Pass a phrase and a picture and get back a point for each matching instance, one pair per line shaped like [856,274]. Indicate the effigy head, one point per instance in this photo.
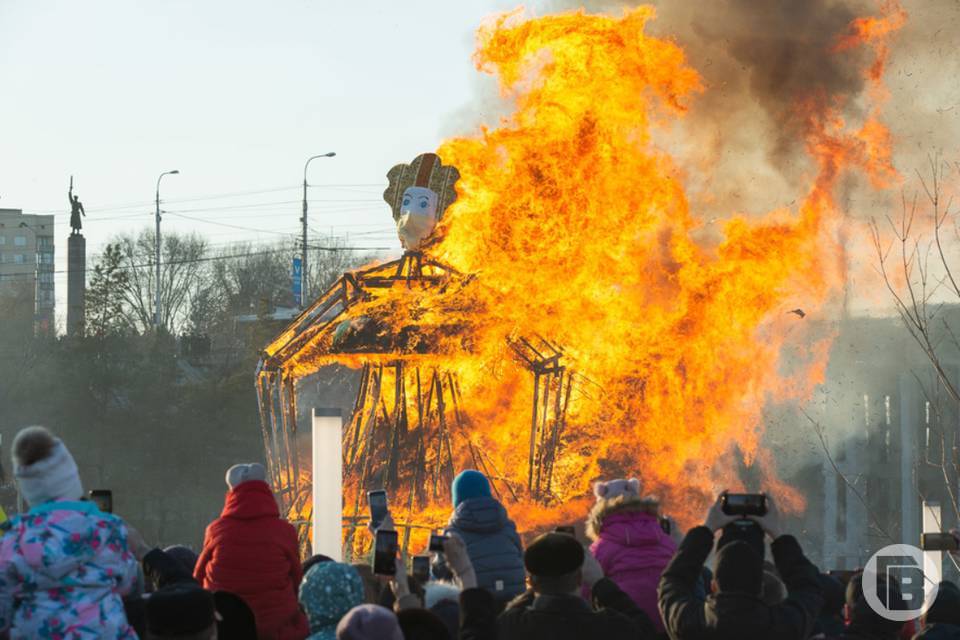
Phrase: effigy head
[418,194]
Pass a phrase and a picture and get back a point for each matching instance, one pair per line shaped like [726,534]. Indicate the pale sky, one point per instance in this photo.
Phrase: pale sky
[236,94]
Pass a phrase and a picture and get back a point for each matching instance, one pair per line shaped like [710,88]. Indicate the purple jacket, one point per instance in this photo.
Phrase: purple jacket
[633,551]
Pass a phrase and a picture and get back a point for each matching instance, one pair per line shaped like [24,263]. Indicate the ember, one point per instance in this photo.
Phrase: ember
[566,321]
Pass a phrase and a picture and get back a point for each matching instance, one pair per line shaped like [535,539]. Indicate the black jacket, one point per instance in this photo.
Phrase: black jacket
[614,616]
[939,631]
[737,616]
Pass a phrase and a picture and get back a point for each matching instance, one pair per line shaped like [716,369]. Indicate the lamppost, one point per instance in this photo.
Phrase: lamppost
[156,308]
[303,249]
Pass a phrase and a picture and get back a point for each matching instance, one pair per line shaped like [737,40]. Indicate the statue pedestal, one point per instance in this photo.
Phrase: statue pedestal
[76,284]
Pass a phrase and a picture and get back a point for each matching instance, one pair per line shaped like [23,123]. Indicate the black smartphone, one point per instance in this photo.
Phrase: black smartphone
[744,504]
[567,529]
[103,498]
[421,569]
[665,524]
[385,549]
[378,507]
[436,543]
[938,542]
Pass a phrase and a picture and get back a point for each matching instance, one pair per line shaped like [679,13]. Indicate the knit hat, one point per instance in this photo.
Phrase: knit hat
[237,619]
[55,477]
[328,591]
[186,556]
[420,624]
[468,485]
[553,555]
[240,473]
[369,622]
[615,488]
[739,569]
[180,609]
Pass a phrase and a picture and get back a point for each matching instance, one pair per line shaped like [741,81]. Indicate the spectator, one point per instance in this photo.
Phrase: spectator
[773,590]
[942,620]
[864,622]
[830,622]
[237,621]
[250,551]
[491,537]
[559,566]
[372,587]
[442,598]
[161,569]
[181,611]
[629,542]
[369,622]
[64,565]
[734,609]
[315,559]
[327,593]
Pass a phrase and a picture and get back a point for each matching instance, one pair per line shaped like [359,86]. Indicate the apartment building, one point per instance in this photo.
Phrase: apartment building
[27,263]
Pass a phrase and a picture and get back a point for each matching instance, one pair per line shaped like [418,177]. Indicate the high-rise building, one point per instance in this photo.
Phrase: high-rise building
[26,263]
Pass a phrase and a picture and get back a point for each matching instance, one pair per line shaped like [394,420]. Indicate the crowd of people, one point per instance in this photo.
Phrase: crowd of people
[71,571]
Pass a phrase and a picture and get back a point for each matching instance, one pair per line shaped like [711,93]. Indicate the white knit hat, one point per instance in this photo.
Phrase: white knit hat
[615,488]
[240,473]
[55,477]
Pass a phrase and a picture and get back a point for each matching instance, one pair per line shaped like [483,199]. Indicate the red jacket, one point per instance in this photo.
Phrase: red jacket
[251,552]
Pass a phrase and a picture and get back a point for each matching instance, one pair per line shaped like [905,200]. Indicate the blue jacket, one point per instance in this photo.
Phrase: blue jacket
[493,546]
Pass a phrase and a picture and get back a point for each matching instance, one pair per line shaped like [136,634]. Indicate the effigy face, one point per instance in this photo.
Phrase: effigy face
[418,217]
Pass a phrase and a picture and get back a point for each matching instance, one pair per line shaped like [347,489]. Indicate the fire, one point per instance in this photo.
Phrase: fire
[574,226]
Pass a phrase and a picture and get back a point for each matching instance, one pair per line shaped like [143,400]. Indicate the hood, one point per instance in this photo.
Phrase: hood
[628,507]
[437,591]
[250,500]
[630,528]
[480,515]
[328,592]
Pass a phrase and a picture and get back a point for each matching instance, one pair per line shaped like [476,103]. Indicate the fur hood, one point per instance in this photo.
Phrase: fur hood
[619,504]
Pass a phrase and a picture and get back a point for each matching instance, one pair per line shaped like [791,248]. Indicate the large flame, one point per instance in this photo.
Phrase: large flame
[577,227]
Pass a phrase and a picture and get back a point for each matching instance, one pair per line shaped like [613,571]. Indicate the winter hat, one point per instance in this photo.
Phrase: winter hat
[238,621]
[615,488]
[369,622]
[53,477]
[180,609]
[553,555]
[420,624]
[240,473]
[185,556]
[739,569]
[328,591]
[468,485]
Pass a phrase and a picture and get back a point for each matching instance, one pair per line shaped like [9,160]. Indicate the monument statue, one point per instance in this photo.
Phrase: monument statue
[76,210]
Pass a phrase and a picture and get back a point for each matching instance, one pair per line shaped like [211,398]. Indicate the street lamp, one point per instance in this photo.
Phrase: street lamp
[303,253]
[156,309]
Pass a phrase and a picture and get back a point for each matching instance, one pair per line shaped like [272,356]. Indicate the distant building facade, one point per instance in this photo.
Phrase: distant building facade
[27,264]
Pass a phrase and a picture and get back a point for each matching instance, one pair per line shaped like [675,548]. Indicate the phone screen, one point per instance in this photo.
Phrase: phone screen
[745,504]
[938,542]
[436,543]
[103,498]
[378,507]
[421,568]
[385,553]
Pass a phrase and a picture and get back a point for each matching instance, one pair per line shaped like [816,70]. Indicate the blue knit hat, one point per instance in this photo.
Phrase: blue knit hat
[469,484]
[328,591]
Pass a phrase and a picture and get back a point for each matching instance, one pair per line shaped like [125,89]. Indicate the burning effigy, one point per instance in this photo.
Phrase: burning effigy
[559,314]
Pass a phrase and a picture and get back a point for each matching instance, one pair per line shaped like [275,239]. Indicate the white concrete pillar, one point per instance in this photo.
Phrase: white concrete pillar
[328,483]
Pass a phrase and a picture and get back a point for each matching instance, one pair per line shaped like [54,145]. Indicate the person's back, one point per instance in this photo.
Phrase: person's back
[942,620]
[865,623]
[629,542]
[491,537]
[736,609]
[65,564]
[253,553]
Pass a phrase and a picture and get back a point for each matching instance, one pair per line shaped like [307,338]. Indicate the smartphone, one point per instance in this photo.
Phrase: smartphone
[665,524]
[421,569]
[378,507]
[843,575]
[938,542]
[744,504]
[570,531]
[385,549]
[436,543]
[103,498]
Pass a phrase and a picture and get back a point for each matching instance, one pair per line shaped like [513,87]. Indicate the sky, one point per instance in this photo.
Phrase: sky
[236,95]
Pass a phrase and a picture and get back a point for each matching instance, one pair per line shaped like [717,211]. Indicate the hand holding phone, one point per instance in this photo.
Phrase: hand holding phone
[744,504]
[421,569]
[436,543]
[378,507]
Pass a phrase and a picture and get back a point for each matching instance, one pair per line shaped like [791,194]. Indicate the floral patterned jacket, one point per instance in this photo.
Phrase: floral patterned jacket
[64,568]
